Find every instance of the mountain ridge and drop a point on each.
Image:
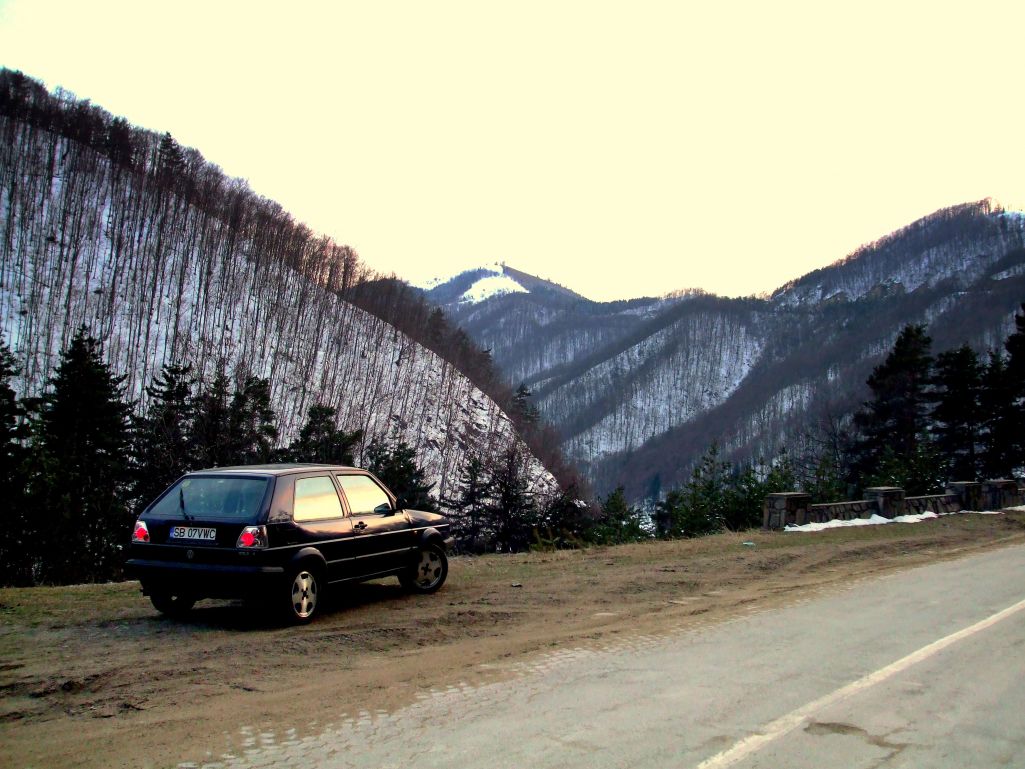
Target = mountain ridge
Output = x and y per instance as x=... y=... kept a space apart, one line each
x=165 y=260
x=642 y=387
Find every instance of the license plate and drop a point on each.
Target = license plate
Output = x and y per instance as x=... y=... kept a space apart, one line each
x=193 y=532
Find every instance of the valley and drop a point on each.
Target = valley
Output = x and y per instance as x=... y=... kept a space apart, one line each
x=639 y=389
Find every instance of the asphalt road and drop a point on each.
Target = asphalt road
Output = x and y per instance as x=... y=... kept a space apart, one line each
x=922 y=668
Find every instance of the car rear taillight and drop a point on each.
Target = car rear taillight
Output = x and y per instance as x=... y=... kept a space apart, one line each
x=252 y=537
x=141 y=533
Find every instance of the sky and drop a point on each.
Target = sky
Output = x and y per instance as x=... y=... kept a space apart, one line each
x=619 y=148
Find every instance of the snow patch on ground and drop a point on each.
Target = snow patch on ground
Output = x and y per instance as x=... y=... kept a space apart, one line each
x=878 y=520
x=492 y=285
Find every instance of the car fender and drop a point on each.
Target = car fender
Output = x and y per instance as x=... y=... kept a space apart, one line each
x=430 y=535
x=309 y=554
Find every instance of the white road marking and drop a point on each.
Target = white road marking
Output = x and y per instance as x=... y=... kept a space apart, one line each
x=795 y=718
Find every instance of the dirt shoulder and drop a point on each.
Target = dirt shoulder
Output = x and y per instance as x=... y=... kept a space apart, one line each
x=93 y=676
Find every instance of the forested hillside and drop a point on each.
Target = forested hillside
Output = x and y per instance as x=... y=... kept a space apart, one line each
x=164 y=259
x=639 y=390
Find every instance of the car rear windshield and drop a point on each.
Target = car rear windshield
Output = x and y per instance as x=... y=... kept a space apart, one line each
x=216 y=497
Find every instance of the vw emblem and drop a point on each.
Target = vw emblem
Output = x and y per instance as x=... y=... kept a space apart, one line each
x=189 y=555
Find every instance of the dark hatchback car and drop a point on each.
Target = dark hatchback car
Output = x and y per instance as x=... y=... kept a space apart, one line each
x=284 y=534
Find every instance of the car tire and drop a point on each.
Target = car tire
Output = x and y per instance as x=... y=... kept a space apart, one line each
x=304 y=594
x=429 y=572
x=172 y=604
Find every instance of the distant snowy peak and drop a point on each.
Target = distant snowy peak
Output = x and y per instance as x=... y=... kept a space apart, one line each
x=491 y=285
x=493 y=268
x=480 y=284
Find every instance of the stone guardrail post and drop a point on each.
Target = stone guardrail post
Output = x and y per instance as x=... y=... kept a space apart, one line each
x=785 y=508
x=969 y=492
x=1000 y=493
x=889 y=500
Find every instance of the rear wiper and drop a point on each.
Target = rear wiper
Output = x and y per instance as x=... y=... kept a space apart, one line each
x=181 y=504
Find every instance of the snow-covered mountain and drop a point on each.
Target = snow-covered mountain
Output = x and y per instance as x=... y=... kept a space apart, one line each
x=639 y=389
x=478 y=284
x=194 y=268
x=166 y=260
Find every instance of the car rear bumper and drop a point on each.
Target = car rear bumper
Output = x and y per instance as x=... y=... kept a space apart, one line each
x=204 y=580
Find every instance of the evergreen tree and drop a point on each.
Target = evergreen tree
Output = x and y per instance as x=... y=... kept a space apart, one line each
x=394 y=462
x=162 y=443
x=321 y=441
x=251 y=430
x=1015 y=346
x=523 y=412
x=470 y=507
x=436 y=330
x=619 y=522
x=894 y=420
x=514 y=511
x=825 y=483
x=170 y=161
x=16 y=542
x=999 y=419
x=565 y=521
x=211 y=431
x=81 y=437
x=119 y=143
x=747 y=488
x=957 y=414
x=234 y=428
x=700 y=506
x=920 y=472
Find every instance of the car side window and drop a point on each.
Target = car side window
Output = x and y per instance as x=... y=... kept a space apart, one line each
x=316 y=499
x=364 y=495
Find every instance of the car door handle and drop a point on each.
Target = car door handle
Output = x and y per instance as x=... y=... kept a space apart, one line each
x=360 y=526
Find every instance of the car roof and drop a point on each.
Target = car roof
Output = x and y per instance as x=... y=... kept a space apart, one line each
x=275 y=469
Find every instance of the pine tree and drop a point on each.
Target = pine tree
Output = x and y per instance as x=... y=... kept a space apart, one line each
x=747 y=488
x=957 y=414
x=514 y=511
x=1015 y=346
x=523 y=412
x=920 y=472
x=566 y=521
x=321 y=441
x=394 y=462
x=619 y=521
x=162 y=443
x=825 y=482
x=16 y=539
x=895 y=420
x=469 y=507
x=81 y=442
x=999 y=420
x=251 y=430
x=211 y=432
x=436 y=330
x=119 y=142
x=170 y=161
x=700 y=506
